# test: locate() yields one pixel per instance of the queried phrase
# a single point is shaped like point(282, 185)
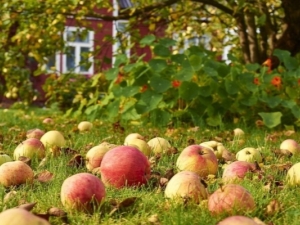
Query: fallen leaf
point(57, 212)
point(25, 160)
point(77, 161)
point(169, 173)
point(44, 176)
point(273, 207)
point(43, 162)
point(127, 202)
point(27, 206)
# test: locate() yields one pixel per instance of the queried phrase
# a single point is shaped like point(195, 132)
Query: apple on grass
point(30, 148)
point(159, 145)
point(249, 154)
point(95, 155)
point(82, 192)
point(15, 173)
point(230, 199)
point(53, 140)
point(133, 136)
point(140, 145)
point(290, 146)
point(85, 126)
point(198, 159)
point(4, 158)
point(237, 170)
point(18, 216)
point(35, 133)
point(217, 147)
point(237, 220)
point(293, 175)
point(124, 166)
point(186, 185)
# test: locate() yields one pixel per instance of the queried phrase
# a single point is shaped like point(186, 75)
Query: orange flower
point(176, 83)
point(276, 81)
point(144, 88)
point(268, 63)
point(119, 79)
point(256, 81)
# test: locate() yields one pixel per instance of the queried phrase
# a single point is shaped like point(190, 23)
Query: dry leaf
point(43, 162)
point(27, 206)
point(273, 207)
point(57, 212)
point(44, 176)
point(77, 161)
point(127, 202)
point(153, 219)
point(163, 181)
point(68, 151)
point(25, 160)
point(169, 173)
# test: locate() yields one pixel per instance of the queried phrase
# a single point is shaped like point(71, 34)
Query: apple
point(237, 220)
point(249, 155)
point(35, 133)
point(198, 159)
point(293, 175)
point(140, 145)
point(30, 148)
point(217, 147)
point(290, 146)
point(48, 121)
point(82, 192)
point(159, 145)
point(85, 126)
point(4, 158)
point(124, 166)
point(52, 140)
point(19, 216)
point(237, 171)
point(95, 155)
point(238, 132)
point(15, 173)
point(230, 198)
point(133, 136)
point(186, 185)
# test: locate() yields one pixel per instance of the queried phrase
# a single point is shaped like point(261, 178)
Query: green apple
point(159, 145)
point(293, 175)
point(249, 154)
point(140, 145)
point(85, 126)
point(4, 158)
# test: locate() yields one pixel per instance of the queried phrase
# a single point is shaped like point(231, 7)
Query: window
point(77, 57)
point(122, 39)
point(124, 4)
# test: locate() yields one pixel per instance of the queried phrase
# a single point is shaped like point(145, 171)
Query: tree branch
point(252, 36)
point(217, 5)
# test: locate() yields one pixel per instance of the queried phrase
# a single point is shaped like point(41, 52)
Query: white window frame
point(77, 46)
point(57, 64)
point(117, 44)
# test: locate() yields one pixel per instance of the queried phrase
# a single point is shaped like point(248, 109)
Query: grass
point(150, 206)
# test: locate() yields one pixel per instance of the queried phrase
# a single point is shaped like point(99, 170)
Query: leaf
point(196, 62)
point(25, 160)
point(77, 161)
point(127, 202)
point(27, 206)
point(112, 73)
point(57, 212)
point(188, 90)
point(271, 120)
point(44, 176)
point(160, 84)
point(147, 40)
point(158, 65)
point(161, 50)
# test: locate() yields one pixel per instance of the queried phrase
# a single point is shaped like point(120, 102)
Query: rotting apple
point(249, 154)
point(290, 146)
point(198, 159)
point(124, 166)
point(237, 170)
point(159, 145)
point(140, 145)
point(82, 192)
point(95, 155)
point(186, 185)
point(15, 173)
point(237, 220)
point(4, 158)
point(35, 133)
point(293, 175)
point(18, 216)
point(217, 147)
point(230, 199)
point(85, 126)
point(30, 148)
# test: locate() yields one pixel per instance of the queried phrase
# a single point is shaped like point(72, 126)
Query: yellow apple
point(249, 154)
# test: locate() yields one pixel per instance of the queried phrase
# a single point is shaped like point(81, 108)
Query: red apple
point(35, 133)
point(198, 159)
point(237, 220)
point(124, 166)
point(82, 192)
point(30, 148)
point(237, 170)
point(290, 146)
point(95, 155)
point(15, 173)
point(48, 121)
point(230, 198)
point(186, 185)
point(18, 216)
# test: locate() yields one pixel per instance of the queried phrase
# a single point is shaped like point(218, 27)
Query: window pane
point(51, 62)
point(84, 59)
point(70, 58)
point(77, 36)
point(125, 4)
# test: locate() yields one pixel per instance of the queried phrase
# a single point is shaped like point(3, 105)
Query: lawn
point(276, 202)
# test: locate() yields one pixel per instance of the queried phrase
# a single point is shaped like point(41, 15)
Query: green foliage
point(195, 88)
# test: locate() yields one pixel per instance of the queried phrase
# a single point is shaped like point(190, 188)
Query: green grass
point(150, 202)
